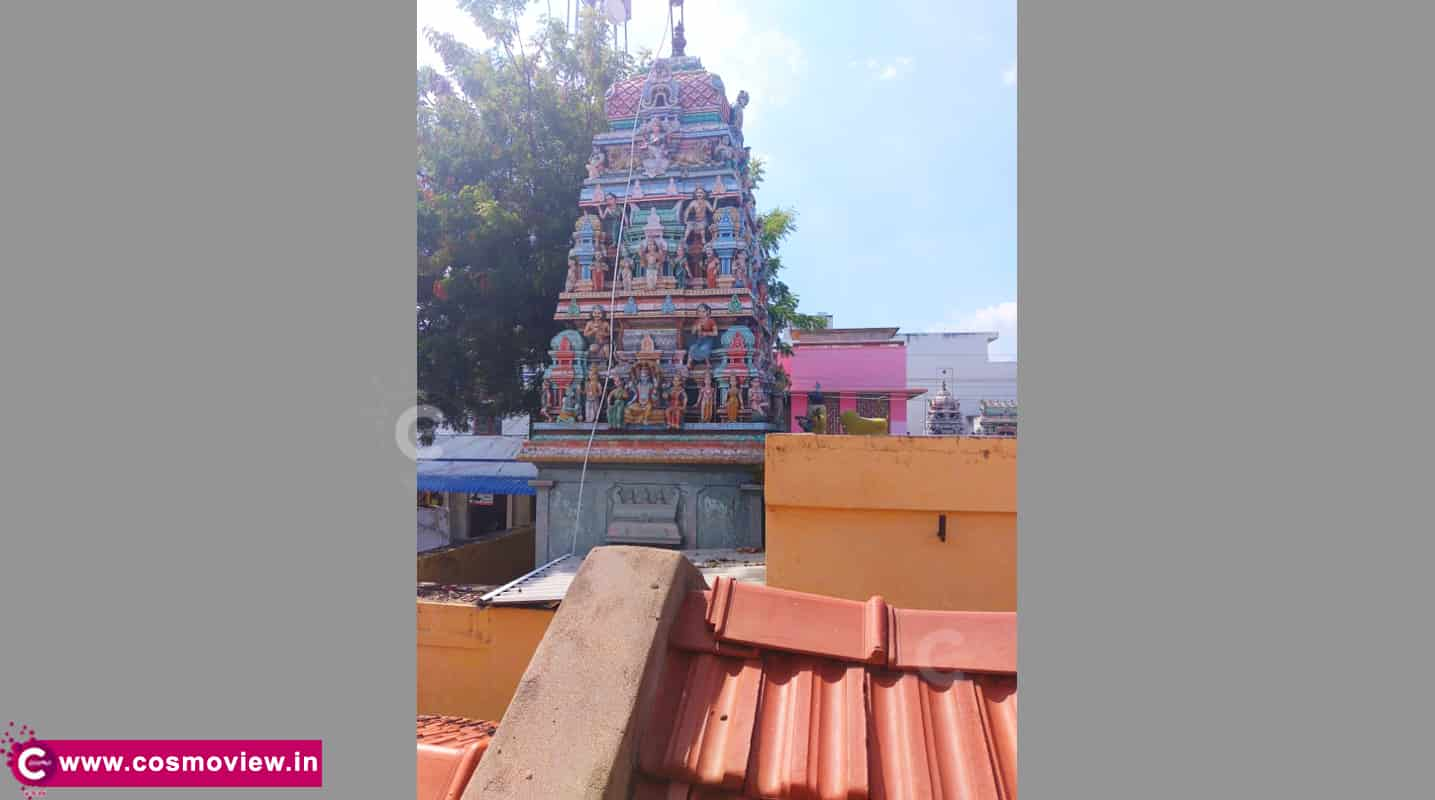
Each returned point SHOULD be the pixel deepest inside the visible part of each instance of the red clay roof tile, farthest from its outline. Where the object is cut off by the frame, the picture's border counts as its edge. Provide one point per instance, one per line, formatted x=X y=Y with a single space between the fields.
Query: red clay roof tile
x=812 y=730
x=843 y=700
x=869 y=633
x=448 y=751
x=704 y=717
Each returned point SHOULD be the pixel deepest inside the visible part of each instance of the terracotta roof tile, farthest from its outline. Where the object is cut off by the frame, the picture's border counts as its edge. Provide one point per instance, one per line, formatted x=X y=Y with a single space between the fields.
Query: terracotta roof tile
x=780 y=694
x=448 y=751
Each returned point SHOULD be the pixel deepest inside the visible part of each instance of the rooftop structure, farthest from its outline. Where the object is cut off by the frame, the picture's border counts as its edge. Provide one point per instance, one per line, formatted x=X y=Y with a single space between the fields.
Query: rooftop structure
x=962 y=361
x=998 y=418
x=862 y=370
x=742 y=690
x=448 y=750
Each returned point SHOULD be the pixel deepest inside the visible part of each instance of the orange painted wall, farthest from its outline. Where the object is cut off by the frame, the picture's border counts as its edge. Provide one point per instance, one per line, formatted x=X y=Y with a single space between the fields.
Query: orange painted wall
x=856 y=516
x=470 y=659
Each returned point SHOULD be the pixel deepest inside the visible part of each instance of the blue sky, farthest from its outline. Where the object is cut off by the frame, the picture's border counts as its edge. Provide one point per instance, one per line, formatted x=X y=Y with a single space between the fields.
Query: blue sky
x=890 y=127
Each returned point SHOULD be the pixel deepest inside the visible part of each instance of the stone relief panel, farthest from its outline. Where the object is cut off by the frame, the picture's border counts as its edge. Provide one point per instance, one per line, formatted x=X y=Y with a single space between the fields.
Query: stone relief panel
x=644 y=513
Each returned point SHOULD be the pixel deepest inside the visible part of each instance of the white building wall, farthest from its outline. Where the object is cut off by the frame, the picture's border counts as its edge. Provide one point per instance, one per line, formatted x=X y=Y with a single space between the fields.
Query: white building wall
x=973 y=377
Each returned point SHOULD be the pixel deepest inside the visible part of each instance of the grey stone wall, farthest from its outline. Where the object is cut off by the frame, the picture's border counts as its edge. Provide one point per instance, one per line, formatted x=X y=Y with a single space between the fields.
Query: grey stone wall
x=716 y=507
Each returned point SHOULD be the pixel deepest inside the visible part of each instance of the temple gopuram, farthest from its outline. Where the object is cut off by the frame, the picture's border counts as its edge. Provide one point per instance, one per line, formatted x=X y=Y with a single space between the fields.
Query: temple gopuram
x=666 y=360
x=944 y=414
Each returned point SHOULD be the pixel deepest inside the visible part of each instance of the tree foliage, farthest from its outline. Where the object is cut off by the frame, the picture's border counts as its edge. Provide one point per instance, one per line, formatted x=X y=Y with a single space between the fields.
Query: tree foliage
x=503 y=134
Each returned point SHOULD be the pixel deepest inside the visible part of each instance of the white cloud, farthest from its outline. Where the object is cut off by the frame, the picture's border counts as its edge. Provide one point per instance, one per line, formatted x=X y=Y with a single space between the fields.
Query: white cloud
x=887 y=70
x=1000 y=318
x=1009 y=75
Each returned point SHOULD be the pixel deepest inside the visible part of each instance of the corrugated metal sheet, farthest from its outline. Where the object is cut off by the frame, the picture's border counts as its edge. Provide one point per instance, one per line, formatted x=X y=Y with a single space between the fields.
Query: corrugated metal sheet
x=462 y=446
x=732 y=720
x=475 y=464
x=550 y=582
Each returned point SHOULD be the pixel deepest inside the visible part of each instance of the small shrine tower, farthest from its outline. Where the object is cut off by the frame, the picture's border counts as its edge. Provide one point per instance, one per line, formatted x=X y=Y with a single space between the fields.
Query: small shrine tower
x=944 y=414
x=663 y=376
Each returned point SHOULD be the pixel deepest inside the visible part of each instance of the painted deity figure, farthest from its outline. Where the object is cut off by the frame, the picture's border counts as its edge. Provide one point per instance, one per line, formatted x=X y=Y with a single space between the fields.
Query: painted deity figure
x=592 y=395
x=705 y=333
x=596 y=163
x=756 y=400
x=643 y=407
x=707 y=399
x=737 y=110
x=680 y=272
x=625 y=274
x=732 y=406
x=547 y=399
x=739 y=268
x=711 y=268
x=617 y=405
x=600 y=272
x=569 y=411
x=575 y=274
x=653 y=254
x=677 y=403
x=597 y=331
x=697 y=216
x=611 y=216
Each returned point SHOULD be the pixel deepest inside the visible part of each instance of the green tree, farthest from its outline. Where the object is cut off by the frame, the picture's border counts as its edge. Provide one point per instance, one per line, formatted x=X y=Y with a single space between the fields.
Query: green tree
x=503 y=134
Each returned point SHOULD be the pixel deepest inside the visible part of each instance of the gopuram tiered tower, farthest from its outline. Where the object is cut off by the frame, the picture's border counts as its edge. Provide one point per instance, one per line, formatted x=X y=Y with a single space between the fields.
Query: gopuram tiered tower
x=666 y=360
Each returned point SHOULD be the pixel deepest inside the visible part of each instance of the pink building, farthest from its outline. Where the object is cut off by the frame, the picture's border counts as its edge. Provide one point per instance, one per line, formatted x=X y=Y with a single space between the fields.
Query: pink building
x=859 y=369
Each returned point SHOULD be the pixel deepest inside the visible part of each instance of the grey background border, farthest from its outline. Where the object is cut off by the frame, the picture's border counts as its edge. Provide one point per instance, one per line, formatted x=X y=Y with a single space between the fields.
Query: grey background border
x=1224 y=574
x=206 y=315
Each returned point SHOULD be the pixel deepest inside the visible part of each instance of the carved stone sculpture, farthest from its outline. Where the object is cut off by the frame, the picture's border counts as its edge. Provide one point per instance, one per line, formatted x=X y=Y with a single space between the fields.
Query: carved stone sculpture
x=592 y=395
x=705 y=332
x=707 y=399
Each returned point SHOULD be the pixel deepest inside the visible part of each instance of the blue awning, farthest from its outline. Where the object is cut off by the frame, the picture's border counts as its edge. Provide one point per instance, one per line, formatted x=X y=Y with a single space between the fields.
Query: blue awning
x=476 y=477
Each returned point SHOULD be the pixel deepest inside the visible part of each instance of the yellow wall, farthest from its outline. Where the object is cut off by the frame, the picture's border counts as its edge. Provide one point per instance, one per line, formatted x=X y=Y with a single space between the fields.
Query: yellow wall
x=856 y=516
x=494 y=560
x=470 y=659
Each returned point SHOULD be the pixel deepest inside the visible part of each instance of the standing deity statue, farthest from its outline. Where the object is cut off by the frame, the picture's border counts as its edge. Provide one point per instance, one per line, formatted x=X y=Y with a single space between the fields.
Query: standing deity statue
x=732 y=406
x=617 y=405
x=547 y=405
x=625 y=274
x=697 y=216
x=597 y=331
x=677 y=403
x=575 y=274
x=739 y=268
x=680 y=272
x=611 y=216
x=711 y=269
x=592 y=395
x=705 y=332
x=653 y=253
x=737 y=110
x=706 y=398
